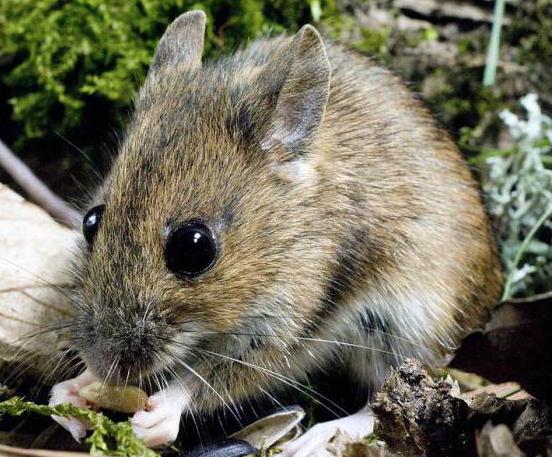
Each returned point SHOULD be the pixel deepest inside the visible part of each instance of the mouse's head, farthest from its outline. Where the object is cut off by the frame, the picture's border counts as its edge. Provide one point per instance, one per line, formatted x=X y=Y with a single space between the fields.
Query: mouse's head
x=208 y=231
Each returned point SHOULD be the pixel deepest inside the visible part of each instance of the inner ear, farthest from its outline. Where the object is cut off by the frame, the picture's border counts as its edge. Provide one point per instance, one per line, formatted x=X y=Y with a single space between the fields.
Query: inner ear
x=303 y=96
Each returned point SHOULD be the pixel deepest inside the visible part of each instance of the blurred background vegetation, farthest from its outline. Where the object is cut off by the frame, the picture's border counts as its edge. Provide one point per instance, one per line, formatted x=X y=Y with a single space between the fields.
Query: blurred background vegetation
x=69 y=69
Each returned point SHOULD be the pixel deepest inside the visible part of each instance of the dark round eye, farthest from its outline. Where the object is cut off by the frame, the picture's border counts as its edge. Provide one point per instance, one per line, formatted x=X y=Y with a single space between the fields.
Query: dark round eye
x=190 y=250
x=91 y=222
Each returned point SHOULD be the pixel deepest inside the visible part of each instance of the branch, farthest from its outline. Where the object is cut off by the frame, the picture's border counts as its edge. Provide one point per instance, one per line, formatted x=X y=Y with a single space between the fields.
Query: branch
x=36 y=189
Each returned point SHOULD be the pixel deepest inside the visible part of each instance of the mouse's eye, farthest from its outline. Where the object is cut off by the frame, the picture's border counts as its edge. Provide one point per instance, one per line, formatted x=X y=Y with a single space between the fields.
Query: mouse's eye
x=190 y=250
x=91 y=222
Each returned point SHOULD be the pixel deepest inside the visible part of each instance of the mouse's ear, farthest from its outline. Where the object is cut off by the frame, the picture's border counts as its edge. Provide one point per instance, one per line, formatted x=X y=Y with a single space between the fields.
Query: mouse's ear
x=303 y=93
x=182 y=42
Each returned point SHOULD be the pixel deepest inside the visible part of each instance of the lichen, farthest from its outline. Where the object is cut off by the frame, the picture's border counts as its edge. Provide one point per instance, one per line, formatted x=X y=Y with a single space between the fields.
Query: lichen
x=518 y=185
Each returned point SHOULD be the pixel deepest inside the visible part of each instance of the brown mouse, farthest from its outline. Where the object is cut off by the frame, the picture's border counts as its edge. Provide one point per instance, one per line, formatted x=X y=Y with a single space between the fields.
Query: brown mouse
x=270 y=212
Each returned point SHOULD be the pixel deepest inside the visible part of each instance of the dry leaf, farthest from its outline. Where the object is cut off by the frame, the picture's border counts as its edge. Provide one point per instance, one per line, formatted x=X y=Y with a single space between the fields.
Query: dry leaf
x=467 y=381
x=496 y=441
x=34 y=256
x=515 y=345
x=272 y=429
x=509 y=390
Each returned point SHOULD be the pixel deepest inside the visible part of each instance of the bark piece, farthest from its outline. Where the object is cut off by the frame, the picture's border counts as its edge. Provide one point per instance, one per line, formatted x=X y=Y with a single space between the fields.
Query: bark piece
x=419 y=416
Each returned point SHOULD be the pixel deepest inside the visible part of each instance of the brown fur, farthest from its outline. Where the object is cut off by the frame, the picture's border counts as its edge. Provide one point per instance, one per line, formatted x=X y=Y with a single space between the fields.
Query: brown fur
x=369 y=219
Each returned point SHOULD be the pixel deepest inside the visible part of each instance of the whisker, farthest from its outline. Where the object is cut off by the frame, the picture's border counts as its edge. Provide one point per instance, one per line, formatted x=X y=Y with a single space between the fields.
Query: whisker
x=108 y=375
x=219 y=396
x=286 y=380
x=299 y=338
x=47 y=328
x=373 y=330
x=87 y=157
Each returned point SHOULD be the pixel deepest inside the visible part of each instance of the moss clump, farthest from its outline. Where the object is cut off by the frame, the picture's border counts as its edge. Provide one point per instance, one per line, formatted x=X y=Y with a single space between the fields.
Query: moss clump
x=107 y=438
x=59 y=54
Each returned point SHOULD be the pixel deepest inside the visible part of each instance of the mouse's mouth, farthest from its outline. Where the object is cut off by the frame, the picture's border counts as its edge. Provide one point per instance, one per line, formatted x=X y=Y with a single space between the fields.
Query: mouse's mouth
x=136 y=370
x=144 y=362
x=136 y=350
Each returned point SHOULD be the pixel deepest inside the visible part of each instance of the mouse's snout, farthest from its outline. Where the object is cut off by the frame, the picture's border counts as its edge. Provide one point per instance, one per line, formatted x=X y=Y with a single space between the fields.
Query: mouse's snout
x=121 y=346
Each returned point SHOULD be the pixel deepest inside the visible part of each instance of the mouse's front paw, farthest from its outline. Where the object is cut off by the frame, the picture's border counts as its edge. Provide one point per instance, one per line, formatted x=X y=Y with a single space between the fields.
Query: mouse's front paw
x=159 y=423
x=68 y=392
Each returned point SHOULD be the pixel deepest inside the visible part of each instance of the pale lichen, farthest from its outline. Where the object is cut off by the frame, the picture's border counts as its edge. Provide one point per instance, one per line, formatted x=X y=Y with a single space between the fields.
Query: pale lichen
x=518 y=185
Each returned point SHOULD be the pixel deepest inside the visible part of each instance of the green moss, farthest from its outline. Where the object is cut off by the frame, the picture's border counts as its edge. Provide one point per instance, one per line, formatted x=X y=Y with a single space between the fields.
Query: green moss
x=58 y=55
x=107 y=438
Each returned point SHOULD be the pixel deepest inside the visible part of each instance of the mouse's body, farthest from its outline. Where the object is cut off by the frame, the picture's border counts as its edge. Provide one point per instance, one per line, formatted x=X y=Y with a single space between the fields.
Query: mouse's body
x=337 y=221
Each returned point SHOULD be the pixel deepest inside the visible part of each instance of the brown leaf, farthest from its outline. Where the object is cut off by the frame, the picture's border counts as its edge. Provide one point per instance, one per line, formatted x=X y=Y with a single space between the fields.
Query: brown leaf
x=515 y=345
x=510 y=390
x=34 y=256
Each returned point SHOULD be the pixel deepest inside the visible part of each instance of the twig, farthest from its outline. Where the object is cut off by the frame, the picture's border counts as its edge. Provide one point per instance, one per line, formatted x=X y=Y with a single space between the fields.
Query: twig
x=494 y=44
x=36 y=189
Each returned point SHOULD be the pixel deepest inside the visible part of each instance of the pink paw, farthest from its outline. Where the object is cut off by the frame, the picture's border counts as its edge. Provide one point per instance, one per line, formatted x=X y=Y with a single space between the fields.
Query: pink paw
x=68 y=392
x=159 y=424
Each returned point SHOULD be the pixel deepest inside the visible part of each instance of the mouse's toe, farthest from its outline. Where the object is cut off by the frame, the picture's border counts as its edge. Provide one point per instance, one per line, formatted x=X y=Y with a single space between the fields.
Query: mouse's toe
x=75 y=427
x=159 y=424
x=67 y=392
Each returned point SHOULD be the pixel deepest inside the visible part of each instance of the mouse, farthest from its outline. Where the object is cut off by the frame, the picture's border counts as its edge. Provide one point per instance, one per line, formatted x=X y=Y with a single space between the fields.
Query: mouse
x=272 y=212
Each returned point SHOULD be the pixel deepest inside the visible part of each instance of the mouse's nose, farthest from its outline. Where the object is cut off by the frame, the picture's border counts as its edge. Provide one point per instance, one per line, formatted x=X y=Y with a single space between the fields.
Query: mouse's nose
x=124 y=349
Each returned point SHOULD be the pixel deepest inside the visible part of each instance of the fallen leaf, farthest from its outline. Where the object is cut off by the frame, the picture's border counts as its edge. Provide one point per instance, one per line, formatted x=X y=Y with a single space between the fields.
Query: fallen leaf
x=496 y=441
x=272 y=429
x=510 y=390
x=515 y=345
x=34 y=257
x=467 y=381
